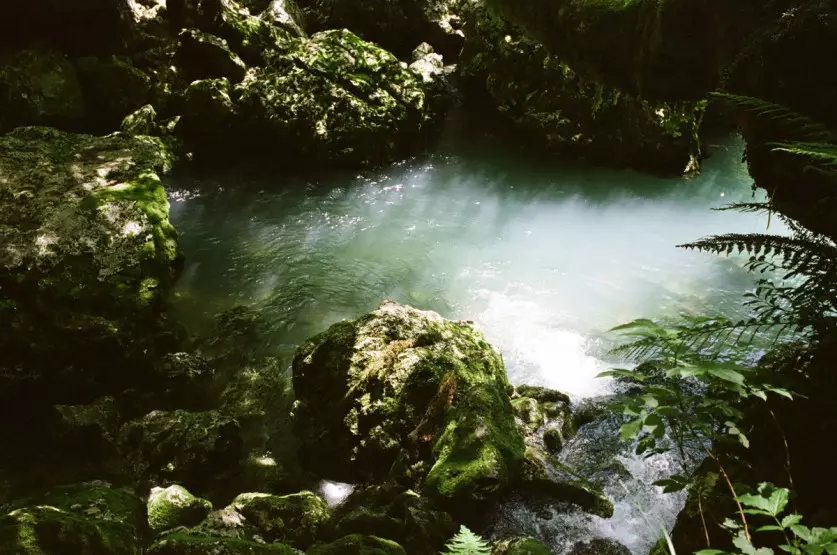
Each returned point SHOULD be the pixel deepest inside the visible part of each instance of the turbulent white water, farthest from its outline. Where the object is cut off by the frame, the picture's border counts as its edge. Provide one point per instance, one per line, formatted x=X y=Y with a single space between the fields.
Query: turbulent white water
x=544 y=257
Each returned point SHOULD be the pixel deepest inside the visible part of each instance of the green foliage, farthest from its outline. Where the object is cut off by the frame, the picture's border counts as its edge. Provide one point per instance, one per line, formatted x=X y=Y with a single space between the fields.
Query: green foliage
x=466 y=542
x=769 y=503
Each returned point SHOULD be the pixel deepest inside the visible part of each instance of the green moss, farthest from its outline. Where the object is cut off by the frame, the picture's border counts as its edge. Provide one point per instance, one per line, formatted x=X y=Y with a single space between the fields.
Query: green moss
x=174 y=506
x=293 y=519
x=191 y=544
x=520 y=546
x=357 y=544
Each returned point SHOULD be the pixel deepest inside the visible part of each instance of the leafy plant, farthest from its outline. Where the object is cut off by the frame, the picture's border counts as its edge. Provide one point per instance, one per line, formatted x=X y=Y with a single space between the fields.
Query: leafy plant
x=466 y=542
x=770 y=503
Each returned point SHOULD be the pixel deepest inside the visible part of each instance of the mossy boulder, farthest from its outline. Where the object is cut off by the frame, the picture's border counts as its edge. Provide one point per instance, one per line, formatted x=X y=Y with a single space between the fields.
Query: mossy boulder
x=519 y=546
x=552 y=107
x=405 y=382
x=184 y=543
x=398 y=26
x=142 y=121
x=357 y=544
x=293 y=519
x=39 y=87
x=599 y=546
x=88 y=257
x=113 y=88
x=388 y=511
x=208 y=116
x=173 y=507
x=201 y=55
x=190 y=448
x=85 y=519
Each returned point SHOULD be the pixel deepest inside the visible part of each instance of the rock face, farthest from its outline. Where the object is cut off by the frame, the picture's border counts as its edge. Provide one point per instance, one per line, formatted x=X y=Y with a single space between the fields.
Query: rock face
x=398 y=26
x=85 y=519
x=398 y=382
x=39 y=87
x=87 y=256
x=550 y=106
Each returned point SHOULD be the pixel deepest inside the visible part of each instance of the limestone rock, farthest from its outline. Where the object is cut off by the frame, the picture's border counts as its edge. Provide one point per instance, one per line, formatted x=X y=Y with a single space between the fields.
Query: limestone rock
x=88 y=255
x=84 y=519
x=39 y=87
x=201 y=55
x=404 y=378
x=174 y=506
x=293 y=519
x=191 y=448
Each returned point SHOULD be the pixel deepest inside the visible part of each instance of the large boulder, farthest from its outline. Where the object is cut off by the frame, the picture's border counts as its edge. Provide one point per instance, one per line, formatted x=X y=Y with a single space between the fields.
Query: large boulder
x=294 y=519
x=397 y=25
x=552 y=107
x=173 y=507
x=401 y=383
x=190 y=448
x=85 y=519
x=201 y=55
x=39 y=87
x=88 y=256
x=357 y=544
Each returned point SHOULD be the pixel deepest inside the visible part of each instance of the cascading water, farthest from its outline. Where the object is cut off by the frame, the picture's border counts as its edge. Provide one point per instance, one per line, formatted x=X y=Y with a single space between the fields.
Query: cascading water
x=544 y=257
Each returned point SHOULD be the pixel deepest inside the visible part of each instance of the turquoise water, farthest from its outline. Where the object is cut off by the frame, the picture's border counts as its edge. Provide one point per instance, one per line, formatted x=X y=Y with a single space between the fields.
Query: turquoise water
x=543 y=255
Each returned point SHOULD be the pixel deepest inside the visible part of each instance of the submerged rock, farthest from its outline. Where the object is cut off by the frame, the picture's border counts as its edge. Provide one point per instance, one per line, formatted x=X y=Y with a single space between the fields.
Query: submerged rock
x=292 y=519
x=400 y=381
x=87 y=257
x=174 y=506
x=552 y=107
x=39 y=87
x=191 y=448
x=357 y=544
x=519 y=546
x=390 y=512
x=83 y=519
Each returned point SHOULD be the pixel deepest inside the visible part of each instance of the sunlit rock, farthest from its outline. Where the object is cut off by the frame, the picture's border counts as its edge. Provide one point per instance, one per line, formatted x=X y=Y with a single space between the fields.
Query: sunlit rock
x=174 y=506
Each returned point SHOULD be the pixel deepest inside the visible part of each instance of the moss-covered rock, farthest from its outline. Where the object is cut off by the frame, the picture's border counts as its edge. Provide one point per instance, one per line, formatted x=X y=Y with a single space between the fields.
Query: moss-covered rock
x=400 y=378
x=293 y=519
x=390 y=512
x=142 y=121
x=552 y=107
x=174 y=506
x=201 y=55
x=194 y=544
x=599 y=546
x=113 y=88
x=86 y=519
x=357 y=544
x=88 y=257
x=208 y=116
x=519 y=546
x=191 y=448
x=39 y=87
x=398 y=26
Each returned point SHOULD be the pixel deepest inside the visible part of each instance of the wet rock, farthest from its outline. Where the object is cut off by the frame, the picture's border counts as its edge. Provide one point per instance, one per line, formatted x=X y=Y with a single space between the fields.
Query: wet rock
x=599 y=546
x=84 y=519
x=193 y=544
x=400 y=378
x=284 y=14
x=546 y=480
x=173 y=507
x=553 y=440
x=552 y=107
x=396 y=25
x=202 y=55
x=291 y=519
x=520 y=546
x=88 y=256
x=39 y=87
x=142 y=121
x=395 y=514
x=113 y=88
x=191 y=448
x=357 y=544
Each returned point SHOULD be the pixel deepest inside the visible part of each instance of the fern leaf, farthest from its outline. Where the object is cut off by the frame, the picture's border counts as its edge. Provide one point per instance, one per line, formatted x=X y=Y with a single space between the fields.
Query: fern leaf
x=466 y=542
x=795 y=124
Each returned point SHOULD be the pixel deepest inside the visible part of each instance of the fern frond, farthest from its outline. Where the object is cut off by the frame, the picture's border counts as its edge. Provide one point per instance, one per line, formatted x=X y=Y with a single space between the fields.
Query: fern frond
x=747 y=207
x=466 y=542
x=797 y=125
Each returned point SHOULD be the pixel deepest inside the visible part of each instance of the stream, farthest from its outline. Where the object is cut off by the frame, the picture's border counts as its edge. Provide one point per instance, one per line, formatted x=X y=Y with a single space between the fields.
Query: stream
x=544 y=256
